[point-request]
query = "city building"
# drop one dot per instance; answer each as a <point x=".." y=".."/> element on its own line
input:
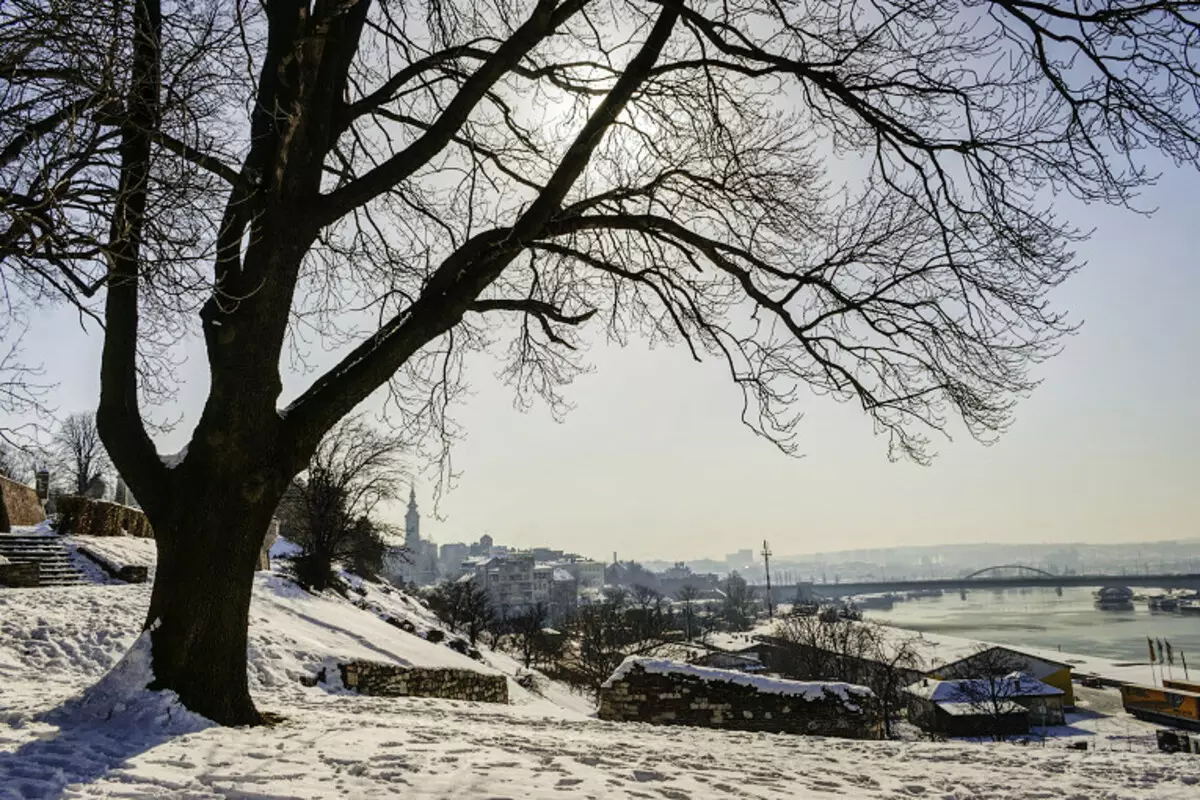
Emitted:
<point x="451" y="558"/>
<point x="587" y="574"/>
<point x="974" y="706"/>
<point x="483" y="547"/>
<point x="516" y="582"/>
<point x="509" y="582"/>
<point x="978" y="664"/>
<point x="740" y="560"/>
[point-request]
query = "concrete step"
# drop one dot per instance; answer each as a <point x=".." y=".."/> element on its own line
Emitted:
<point x="53" y="559"/>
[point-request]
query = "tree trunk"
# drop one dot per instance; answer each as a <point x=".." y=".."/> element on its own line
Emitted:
<point x="208" y="548"/>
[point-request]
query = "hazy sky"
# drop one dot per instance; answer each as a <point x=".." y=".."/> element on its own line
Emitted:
<point x="653" y="462"/>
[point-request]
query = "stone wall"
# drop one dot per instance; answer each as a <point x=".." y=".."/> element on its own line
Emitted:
<point x="85" y="516"/>
<point x="663" y="693"/>
<point x="130" y="573"/>
<point x="20" y="505"/>
<point x="393" y="680"/>
<point x="23" y="575"/>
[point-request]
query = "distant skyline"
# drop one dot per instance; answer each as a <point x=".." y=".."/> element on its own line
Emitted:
<point x="653" y="462"/>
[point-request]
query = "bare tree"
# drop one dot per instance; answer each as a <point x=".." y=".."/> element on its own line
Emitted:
<point x="448" y="603"/>
<point x="601" y="637"/>
<point x="866" y="653"/>
<point x="738" y="609"/>
<point x="390" y="178"/>
<point x="688" y="595"/>
<point x="479" y="613"/>
<point x="22" y="390"/>
<point x="528" y="630"/>
<point x="80" y="451"/>
<point x="648" y="613"/>
<point x="894" y="662"/>
<point x="329" y="510"/>
<point x="989" y="682"/>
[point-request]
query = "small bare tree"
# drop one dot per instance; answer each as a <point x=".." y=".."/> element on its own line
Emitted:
<point x="10" y="462"/>
<point x="329" y="511"/>
<point x="479" y="612"/>
<point x="448" y="603"/>
<point x="688" y="595"/>
<point x="894" y="661"/>
<point x="866" y="653"/>
<point x="22" y="391"/>
<point x="528" y="632"/>
<point x="988" y="681"/>
<point x="738" y="609"/>
<point x="80" y="451"/>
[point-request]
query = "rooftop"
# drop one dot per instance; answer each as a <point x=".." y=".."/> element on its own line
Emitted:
<point x="965" y="690"/>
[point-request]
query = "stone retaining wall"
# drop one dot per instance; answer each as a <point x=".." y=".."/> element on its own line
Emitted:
<point x="19" y="505"/>
<point x="130" y="573"/>
<point x="85" y="516"/>
<point x="22" y="575"/>
<point x="393" y="680"/>
<point x="663" y="697"/>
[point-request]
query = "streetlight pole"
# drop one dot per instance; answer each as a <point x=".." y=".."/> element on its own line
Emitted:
<point x="766" y="554"/>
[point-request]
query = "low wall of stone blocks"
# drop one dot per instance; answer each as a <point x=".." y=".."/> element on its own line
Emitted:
<point x="20" y="575"/>
<point x="19" y="505"/>
<point x="86" y="516"/>
<point x="130" y="573"/>
<point x="665" y="698"/>
<point x="393" y="680"/>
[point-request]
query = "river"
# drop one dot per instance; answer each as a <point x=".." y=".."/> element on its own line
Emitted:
<point x="1042" y="618"/>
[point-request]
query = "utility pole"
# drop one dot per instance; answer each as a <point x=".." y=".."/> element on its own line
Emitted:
<point x="766" y="554"/>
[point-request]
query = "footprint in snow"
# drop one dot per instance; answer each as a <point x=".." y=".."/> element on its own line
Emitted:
<point x="647" y="775"/>
<point x="825" y="786"/>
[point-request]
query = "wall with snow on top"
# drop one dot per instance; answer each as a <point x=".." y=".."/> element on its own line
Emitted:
<point x="664" y="692"/>
<point x="391" y="680"/>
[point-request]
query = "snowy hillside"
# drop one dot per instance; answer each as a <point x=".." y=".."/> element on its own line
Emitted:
<point x="55" y="643"/>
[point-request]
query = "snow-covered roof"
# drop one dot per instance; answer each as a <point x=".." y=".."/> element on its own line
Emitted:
<point x="809" y="690"/>
<point x="1030" y="662"/>
<point x="971" y="709"/>
<point x="964" y="690"/>
<point x="563" y="575"/>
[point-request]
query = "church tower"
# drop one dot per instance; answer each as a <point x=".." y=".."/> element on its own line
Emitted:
<point x="412" y="523"/>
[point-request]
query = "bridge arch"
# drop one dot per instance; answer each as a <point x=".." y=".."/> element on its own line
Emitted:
<point x="1020" y="567"/>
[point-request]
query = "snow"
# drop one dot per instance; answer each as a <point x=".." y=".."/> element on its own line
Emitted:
<point x="282" y="548"/>
<point x="60" y="738"/>
<point x="1015" y="685"/>
<point x="117" y="551"/>
<point x="808" y="690"/>
<point x="966" y="708"/>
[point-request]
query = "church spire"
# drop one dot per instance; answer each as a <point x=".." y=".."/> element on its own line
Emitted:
<point x="412" y="521"/>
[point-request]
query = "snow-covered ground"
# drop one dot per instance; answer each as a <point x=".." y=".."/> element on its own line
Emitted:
<point x="57" y="739"/>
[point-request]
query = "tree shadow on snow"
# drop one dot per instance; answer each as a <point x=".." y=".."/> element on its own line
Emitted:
<point x="82" y="750"/>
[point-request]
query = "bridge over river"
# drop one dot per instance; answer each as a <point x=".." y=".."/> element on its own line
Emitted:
<point x="998" y="577"/>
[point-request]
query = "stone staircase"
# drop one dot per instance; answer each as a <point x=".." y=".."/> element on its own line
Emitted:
<point x="47" y="552"/>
